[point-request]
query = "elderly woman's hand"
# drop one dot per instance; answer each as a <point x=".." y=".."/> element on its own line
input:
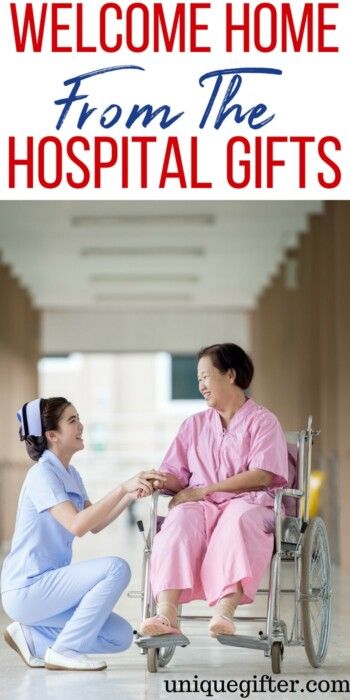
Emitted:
<point x="186" y="495"/>
<point x="142" y="484"/>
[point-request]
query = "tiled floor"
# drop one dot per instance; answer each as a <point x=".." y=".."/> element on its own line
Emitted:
<point x="203" y="661"/>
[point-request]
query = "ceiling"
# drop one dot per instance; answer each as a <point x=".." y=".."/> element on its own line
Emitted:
<point x="120" y="255"/>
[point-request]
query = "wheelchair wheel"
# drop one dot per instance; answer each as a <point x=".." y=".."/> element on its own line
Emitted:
<point x="276" y="657"/>
<point x="315" y="591"/>
<point x="152" y="660"/>
<point x="165" y="655"/>
<point x="158" y="658"/>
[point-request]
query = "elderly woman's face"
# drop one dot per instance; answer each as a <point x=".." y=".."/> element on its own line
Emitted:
<point x="214" y="386"/>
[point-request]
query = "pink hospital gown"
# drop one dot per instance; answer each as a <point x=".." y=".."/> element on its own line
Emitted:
<point x="205" y="548"/>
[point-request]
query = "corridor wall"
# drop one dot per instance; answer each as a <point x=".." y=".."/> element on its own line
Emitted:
<point x="300" y="341"/>
<point x="19" y="353"/>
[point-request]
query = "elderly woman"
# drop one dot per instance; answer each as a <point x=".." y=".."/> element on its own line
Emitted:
<point x="224" y="466"/>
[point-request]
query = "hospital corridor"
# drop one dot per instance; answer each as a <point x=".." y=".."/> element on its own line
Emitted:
<point x="108" y="305"/>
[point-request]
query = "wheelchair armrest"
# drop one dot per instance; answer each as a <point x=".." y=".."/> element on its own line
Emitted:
<point x="294" y="493"/>
<point x="165" y="492"/>
<point x="154" y="510"/>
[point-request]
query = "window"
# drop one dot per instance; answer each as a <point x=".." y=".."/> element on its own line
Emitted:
<point x="184" y="385"/>
<point x="176" y="386"/>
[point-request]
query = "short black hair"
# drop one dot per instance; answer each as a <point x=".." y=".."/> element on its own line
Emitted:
<point x="225" y="356"/>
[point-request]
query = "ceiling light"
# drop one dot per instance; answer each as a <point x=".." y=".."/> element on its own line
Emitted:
<point x="143" y="220"/>
<point x="110" y="251"/>
<point x="105" y="298"/>
<point x="151" y="279"/>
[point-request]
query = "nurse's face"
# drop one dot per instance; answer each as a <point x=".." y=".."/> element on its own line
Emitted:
<point x="214" y="386"/>
<point x="68" y="437"/>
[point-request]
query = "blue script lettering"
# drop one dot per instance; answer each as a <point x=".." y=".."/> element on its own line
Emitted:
<point x="112" y="114"/>
<point x="253" y="115"/>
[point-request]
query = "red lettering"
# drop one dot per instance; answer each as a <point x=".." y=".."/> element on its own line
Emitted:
<point x="244" y="163"/>
<point x="103" y="28"/>
<point x="194" y="166"/>
<point x="245" y="27"/>
<point x="81" y="48"/>
<point x="289" y="29"/>
<point x="271" y="22"/>
<point x="270" y="26"/>
<point x="125" y="162"/>
<point x="271" y="162"/>
<point x="28" y="162"/>
<point x="28" y="27"/>
<point x="195" y="28"/>
<point x="44" y="159"/>
<point x="323" y="28"/>
<point x="143" y="26"/>
<point x="160" y="28"/>
<point x="172" y="149"/>
<point x="302" y="141"/>
<point x="326" y="159"/>
<point x="56" y="28"/>
<point x="72" y="182"/>
<point x="104" y="162"/>
<point x="144" y="141"/>
<point x="258" y="163"/>
<point x="129" y="33"/>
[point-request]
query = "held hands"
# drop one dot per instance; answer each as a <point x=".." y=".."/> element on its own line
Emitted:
<point x="186" y="495"/>
<point x="144" y="483"/>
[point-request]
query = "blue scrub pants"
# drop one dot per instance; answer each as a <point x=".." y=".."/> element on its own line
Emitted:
<point x="71" y="608"/>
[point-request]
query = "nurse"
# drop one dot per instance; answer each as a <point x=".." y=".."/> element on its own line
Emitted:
<point x="224" y="467"/>
<point x="61" y="610"/>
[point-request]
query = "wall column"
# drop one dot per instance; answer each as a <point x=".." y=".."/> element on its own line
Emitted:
<point x="19" y="354"/>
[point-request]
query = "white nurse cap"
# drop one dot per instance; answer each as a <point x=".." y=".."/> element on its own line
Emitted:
<point x="30" y="419"/>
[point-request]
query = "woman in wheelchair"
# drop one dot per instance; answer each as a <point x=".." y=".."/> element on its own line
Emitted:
<point x="224" y="468"/>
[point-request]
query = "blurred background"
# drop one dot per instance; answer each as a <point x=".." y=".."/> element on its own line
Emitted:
<point x="107" y="303"/>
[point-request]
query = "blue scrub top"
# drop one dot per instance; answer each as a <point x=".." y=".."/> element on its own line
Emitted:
<point x="40" y="543"/>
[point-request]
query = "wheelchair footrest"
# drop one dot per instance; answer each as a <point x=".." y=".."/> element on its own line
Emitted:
<point x="162" y="640"/>
<point x="240" y="640"/>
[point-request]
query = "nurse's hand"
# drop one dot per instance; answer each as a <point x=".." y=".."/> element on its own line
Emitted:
<point x="186" y="495"/>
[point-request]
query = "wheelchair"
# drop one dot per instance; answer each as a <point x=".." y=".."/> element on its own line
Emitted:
<point x="299" y="541"/>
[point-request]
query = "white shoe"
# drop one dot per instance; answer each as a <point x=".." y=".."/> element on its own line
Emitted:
<point x="80" y="662"/>
<point x="14" y="636"/>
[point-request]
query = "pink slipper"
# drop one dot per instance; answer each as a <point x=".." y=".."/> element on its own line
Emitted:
<point x="220" y="624"/>
<point x="159" y="624"/>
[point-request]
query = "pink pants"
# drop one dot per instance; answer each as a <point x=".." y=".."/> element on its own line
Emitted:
<point x="204" y="549"/>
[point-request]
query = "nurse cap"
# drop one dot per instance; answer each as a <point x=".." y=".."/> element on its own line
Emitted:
<point x="30" y="419"/>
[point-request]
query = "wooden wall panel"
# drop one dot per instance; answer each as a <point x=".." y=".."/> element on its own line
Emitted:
<point x="300" y="341"/>
<point x="19" y="354"/>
